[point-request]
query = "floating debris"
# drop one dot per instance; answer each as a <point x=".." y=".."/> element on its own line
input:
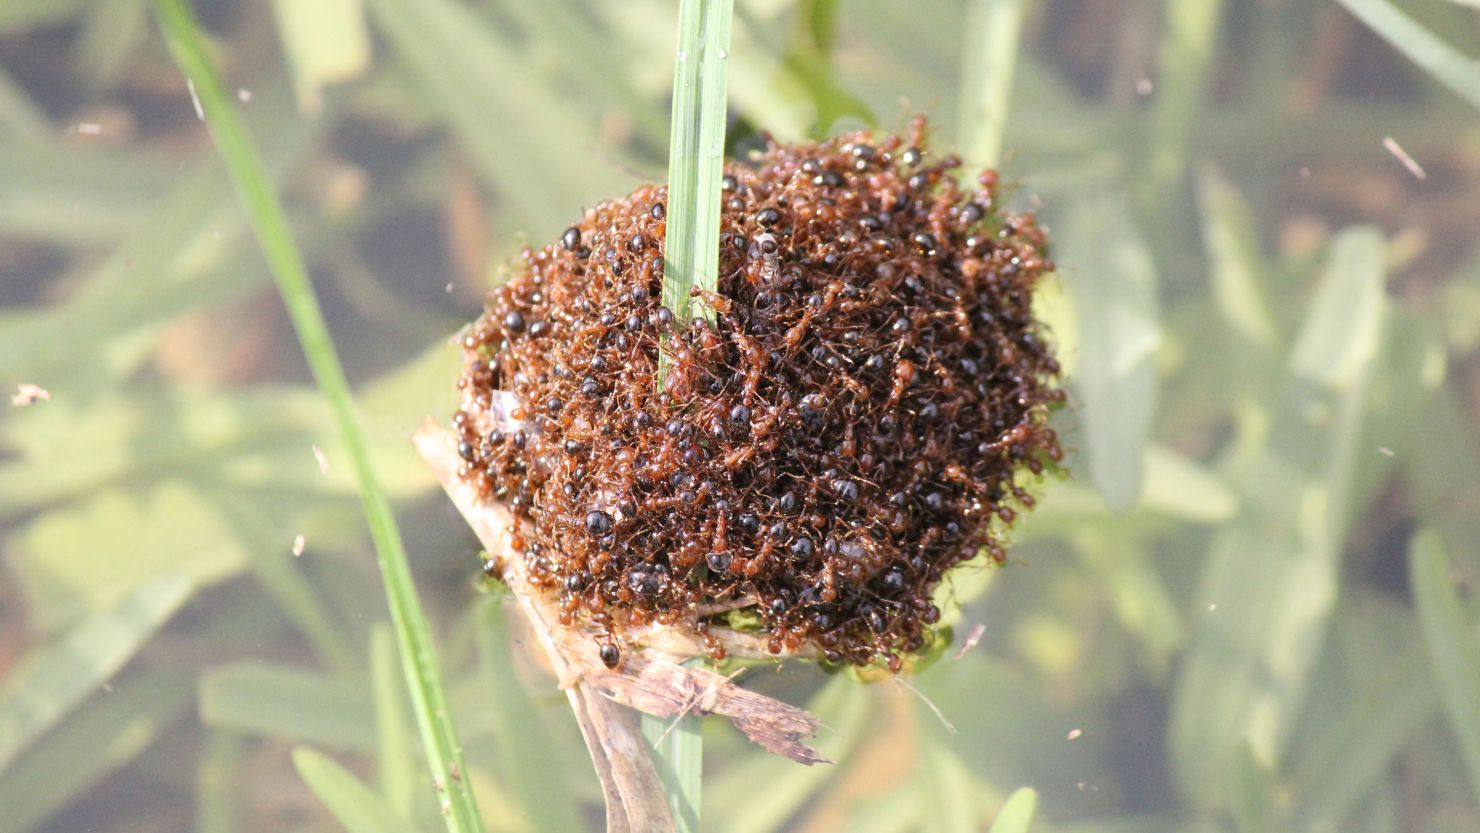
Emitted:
<point x="27" y="394"/>
<point x="1402" y="156"/>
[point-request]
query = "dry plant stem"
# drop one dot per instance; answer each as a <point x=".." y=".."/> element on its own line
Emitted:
<point x="649" y="680"/>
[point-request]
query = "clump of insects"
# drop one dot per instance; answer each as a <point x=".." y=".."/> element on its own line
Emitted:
<point x="851" y="419"/>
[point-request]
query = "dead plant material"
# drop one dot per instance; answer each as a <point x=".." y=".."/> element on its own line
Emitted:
<point x="651" y="679"/>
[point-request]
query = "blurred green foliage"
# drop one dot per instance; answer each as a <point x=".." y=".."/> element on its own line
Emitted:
<point x="1246" y="609"/>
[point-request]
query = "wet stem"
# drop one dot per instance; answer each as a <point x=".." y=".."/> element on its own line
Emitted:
<point x="696" y="155"/>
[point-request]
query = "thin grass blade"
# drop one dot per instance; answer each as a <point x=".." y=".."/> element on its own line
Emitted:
<point x="1017" y="813"/>
<point x="217" y="778"/>
<point x="111" y="32"/>
<point x="678" y="757"/>
<point x="54" y="679"/>
<point x="325" y="43"/>
<point x="530" y="759"/>
<point x="1448" y="65"/>
<point x="1112" y="285"/>
<point x="288" y="703"/>
<point x="696" y="160"/>
<point x="696" y="154"/>
<point x="20" y="118"/>
<point x="1344" y="766"/>
<point x="993" y="30"/>
<point x="1231" y="239"/>
<point x="1271" y="579"/>
<point x="102" y="737"/>
<point x="429" y="703"/>
<point x="539" y="157"/>
<point x="395" y="757"/>
<point x="1188" y="49"/>
<point x="355" y="805"/>
<point x="1454" y="654"/>
<point x="946" y="790"/>
<point x="845" y="706"/>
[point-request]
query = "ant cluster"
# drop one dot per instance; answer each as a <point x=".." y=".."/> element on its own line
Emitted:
<point x="851" y="423"/>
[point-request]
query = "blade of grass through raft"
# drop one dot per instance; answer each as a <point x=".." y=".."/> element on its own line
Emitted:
<point x="993" y="29"/>
<point x="444" y="754"/>
<point x="696" y="154"/>
<point x="696" y="160"/>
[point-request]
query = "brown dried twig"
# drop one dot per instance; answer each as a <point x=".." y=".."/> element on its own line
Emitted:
<point x="650" y="679"/>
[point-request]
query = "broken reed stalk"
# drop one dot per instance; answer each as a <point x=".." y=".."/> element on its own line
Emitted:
<point x="653" y="680"/>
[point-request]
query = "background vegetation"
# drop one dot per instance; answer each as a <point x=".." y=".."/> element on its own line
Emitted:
<point x="1247" y="610"/>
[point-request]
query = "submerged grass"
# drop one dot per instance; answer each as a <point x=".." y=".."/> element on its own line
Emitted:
<point x="1452" y="68"/>
<point x="243" y="163"/>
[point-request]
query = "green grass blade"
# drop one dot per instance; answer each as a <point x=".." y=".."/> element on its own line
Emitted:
<point x="843" y="705"/>
<point x="946" y="790"/>
<point x="540" y="157"/>
<point x="1251" y="785"/>
<point x="809" y="62"/>
<point x="356" y="806"/>
<point x="395" y="759"/>
<point x="288" y="703"/>
<point x="528" y="755"/>
<point x="20" y="119"/>
<point x="1447" y="64"/>
<point x="1112" y="285"/>
<point x="678" y="756"/>
<point x="99" y="739"/>
<point x="65" y="571"/>
<point x="190" y="244"/>
<point x="584" y="55"/>
<point x="696" y="153"/>
<point x="1271" y="579"/>
<point x="277" y="571"/>
<point x="888" y="812"/>
<point x="24" y="15"/>
<point x="1445" y="461"/>
<point x="1454" y="654"/>
<point x="1235" y="267"/>
<point x="54" y="679"/>
<point x="245" y="167"/>
<point x="112" y="31"/>
<point x="1349" y="302"/>
<point x="1187" y="51"/>
<point x="696" y="160"/>
<point x="1343" y="767"/>
<point x="993" y="30"/>
<point x="1017" y="813"/>
<point x="325" y="42"/>
<point x="217" y="778"/>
